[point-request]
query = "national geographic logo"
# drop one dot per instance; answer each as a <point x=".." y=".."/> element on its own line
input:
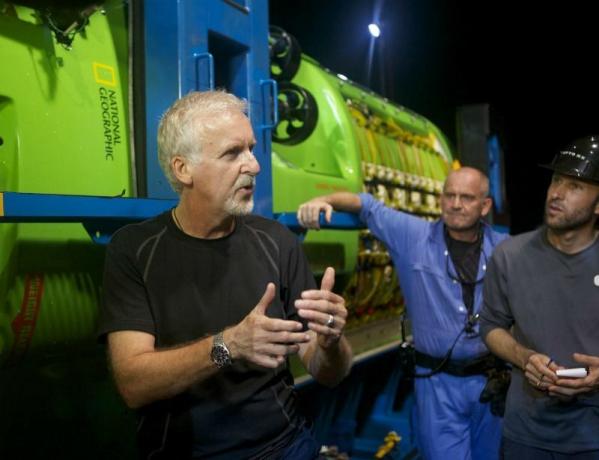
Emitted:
<point x="111" y="123"/>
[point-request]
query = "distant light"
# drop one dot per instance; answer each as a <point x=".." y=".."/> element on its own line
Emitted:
<point x="374" y="30"/>
<point x="343" y="77"/>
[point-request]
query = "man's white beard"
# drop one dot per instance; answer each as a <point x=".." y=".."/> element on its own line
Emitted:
<point x="239" y="208"/>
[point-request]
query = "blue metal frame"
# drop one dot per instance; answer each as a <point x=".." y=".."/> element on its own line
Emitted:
<point x="179" y="60"/>
<point x="37" y="207"/>
<point x="101" y="216"/>
<point x="495" y="175"/>
<point x="339" y="221"/>
<point x="274" y="109"/>
<point x="356" y="415"/>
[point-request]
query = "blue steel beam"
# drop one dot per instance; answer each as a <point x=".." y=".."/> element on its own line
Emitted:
<point x="105" y="211"/>
<point x="35" y="207"/>
<point x="339" y="221"/>
<point x="101" y="216"/>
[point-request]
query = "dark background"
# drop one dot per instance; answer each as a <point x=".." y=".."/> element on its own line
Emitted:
<point x="535" y="64"/>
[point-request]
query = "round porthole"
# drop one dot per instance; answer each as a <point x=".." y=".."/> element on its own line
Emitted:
<point x="298" y="114"/>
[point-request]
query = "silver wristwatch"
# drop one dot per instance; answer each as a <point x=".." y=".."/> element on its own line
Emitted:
<point x="220" y="354"/>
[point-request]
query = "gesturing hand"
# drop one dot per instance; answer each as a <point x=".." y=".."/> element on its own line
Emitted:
<point x="324" y="310"/>
<point x="262" y="340"/>
<point x="573" y="386"/>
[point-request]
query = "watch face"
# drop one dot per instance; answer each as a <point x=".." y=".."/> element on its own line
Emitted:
<point x="220" y="356"/>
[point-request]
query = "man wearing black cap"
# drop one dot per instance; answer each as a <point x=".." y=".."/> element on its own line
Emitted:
<point x="541" y="313"/>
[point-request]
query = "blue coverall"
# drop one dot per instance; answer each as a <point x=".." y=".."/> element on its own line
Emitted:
<point x="451" y="423"/>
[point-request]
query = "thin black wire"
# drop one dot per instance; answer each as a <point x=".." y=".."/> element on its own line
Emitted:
<point x="470" y="319"/>
<point x="445" y="360"/>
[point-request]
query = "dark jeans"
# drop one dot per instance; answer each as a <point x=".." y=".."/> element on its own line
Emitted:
<point x="511" y="450"/>
<point x="303" y="447"/>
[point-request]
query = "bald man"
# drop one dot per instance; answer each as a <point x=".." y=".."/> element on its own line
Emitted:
<point x="440" y="266"/>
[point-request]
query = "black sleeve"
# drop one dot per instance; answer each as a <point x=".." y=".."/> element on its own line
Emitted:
<point x="125" y="304"/>
<point x="496" y="311"/>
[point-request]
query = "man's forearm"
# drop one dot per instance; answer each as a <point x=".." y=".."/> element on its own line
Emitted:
<point x="329" y="365"/>
<point x="502" y="344"/>
<point x="308" y="214"/>
<point x="344" y="202"/>
<point x="149" y="375"/>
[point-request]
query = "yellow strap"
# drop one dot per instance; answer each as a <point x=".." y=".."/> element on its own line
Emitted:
<point x="362" y="143"/>
<point x="357" y="115"/>
<point x="372" y="147"/>
<point x="1" y="204"/>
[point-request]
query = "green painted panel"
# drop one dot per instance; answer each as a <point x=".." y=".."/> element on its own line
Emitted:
<point x="360" y="136"/>
<point x="67" y="108"/>
<point x="64" y="128"/>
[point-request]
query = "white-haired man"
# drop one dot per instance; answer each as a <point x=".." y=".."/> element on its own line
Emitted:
<point x="204" y="303"/>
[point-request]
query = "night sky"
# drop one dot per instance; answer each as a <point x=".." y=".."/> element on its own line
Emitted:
<point x="535" y="66"/>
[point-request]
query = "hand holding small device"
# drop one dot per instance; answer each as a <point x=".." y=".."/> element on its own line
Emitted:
<point x="573" y="373"/>
<point x="574" y="381"/>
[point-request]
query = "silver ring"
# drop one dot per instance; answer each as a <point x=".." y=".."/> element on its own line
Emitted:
<point x="331" y="321"/>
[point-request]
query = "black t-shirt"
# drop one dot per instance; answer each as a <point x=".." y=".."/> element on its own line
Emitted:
<point x="178" y="288"/>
